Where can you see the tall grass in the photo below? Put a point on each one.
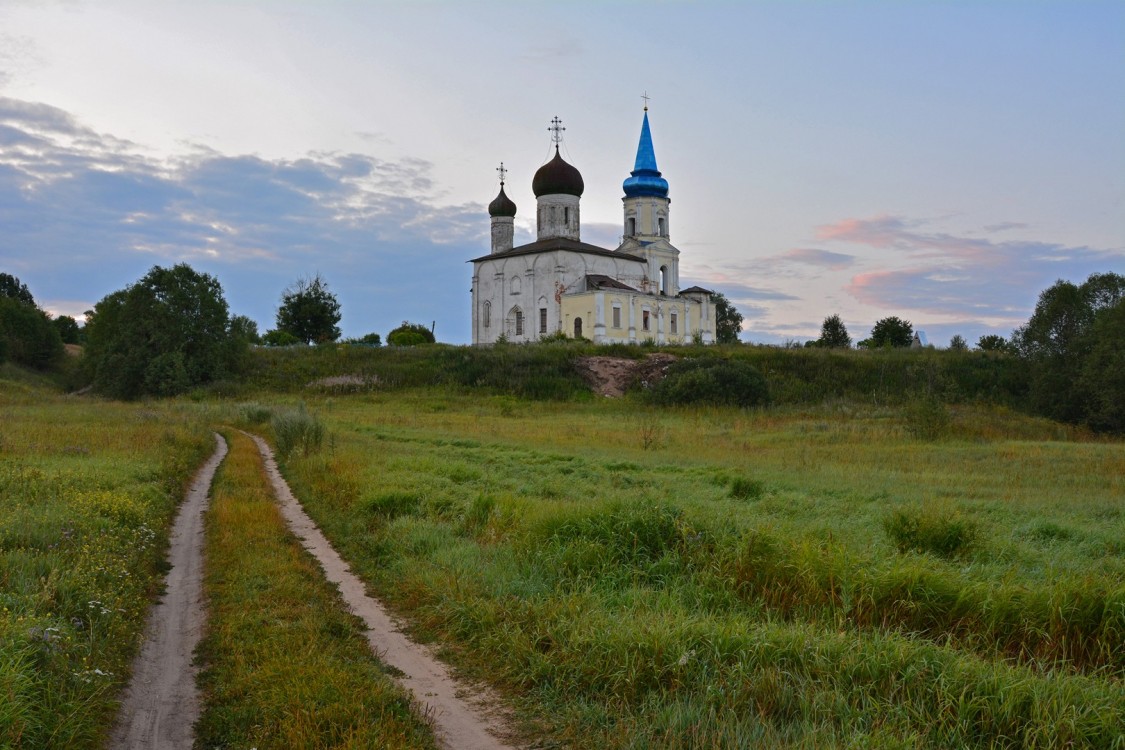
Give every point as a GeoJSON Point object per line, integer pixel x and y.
{"type": "Point", "coordinates": [87, 492]}
{"type": "Point", "coordinates": [284, 665]}
{"type": "Point", "coordinates": [641, 596]}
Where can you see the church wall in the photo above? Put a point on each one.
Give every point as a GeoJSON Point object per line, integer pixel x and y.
{"type": "Point", "coordinates": [533, 282]}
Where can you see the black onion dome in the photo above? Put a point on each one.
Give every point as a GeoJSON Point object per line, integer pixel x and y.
{"type": "Point", "coordinates": [556, 176]}
{"type": "Point", "coordinates": [502, 205]}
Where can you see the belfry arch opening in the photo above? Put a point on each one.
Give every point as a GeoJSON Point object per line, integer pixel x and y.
{"type": "Point", "coordinates": [665, 280]}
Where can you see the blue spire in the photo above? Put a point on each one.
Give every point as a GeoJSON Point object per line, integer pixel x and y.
{"type": "Point", "coordinates": [645, 179]}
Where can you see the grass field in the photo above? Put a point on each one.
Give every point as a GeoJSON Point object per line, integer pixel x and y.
{"type": "Point", "coordinates": [708, 577]}
{"type": "Point", "coordinates": [796, 576]}
{"type": "Point", "coordinates": [87, 491]}
{"type": "Point", "coordinates": [284, 665]}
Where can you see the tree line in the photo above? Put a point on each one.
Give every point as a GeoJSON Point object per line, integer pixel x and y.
{"type": "Point", "coordinates": [172, 331]}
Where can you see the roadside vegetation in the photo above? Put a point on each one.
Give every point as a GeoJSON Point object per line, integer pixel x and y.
{"type": "Point", "coordinates": [284, 665]}
{"type": "Point", "coordinates": [87, 492]}
{"type": "Point", "coordinates": [691, 577]}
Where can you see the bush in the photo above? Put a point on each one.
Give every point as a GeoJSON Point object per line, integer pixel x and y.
{"type": "Point", "coordinates": [410, 334]}
{"type": "Point", "coordinates": [746, 489]}
{"type": "Point", "coordinates": [938, 531]}
{"type": "Point", "coordinates": [711, 380]}
{"type": "Point", "coordinates": [927, 418]}
{"type": "Point", "coordinates": [297, 430]}
{"type": "Point", "coordinates": [254, 413]}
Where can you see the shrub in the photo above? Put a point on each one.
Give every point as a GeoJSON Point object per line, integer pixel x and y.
{"type": "Point", "coordinates": [930, 529]}
{"type": "Point", "coordinates": [254, 413]}
{"type": "Point", "coordinates": [712, 381]}
{"type": "Point", "coordinates": [927, 418]}
{"type": "Point", "coordinates": [296, 429]}
{"type": "Point", "coordinates": [410, 334]}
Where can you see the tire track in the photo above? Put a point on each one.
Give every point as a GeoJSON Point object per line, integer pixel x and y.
{"type": "Point", "coordinates": [458, 724]}
{"type": "Point", "coordinates": [161, 704]}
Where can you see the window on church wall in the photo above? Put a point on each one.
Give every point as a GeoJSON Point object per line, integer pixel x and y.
{"type": "Point", "coordinates": [566, 214]}
{"type": "Point", "coordinates": [660, 226]}
{"type": "Point", "coordinates": [672, 323]}
{"type": "Point", "coordinates": [631, 227]}
{"type": "Point", "coordinates": [664, 275]}
{"type": "Point", "coordinates": [616, 316]}
{"type": "Point", "coordinates": [645, 320]}
{"type": "Point", "coordinates": [515, 285]}
{"type": "Point", "coordinates": [542, 320]}
{"type": "Point", "coordinates": [487, 314]}
{"type": "Point", "coordinates": [519, 322]}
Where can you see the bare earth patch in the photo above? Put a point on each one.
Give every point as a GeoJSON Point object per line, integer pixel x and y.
{"type": "Point", "coordinates": [459, 723]}
{"type": "Point", "coordinates": [612, 376]}
{"type": "Point", "coordinates": [161, 704]}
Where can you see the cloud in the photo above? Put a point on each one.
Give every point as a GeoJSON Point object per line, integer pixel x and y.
{"type": "Point", "coordinates": [1003, 226]}
{"type": "Point", "coordinates": [961, 276]}
{"type": "Point", "coordinates": [813, 257]}
{"type": "Point", "coordinates": [86, 213]}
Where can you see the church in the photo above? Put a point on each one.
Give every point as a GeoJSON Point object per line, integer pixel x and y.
{"type": "Point", "coordinates": [558, 283]}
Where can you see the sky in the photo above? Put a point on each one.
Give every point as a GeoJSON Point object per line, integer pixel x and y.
{"type": "Point", "coordinates": [943, 162]}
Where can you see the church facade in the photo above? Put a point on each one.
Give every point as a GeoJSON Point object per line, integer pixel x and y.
{"type": "Point", "coordinates": [558, 283]}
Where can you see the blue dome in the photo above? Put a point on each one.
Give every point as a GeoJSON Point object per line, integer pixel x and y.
{"type": "Point", "coordinates": [645, 179]}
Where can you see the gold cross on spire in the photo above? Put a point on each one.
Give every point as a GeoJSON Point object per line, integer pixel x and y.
{"type": "Point", "coordinates": [502, 172]}
{"type": "Point", "coordinates": [646, 97]}
{"type": "Point", "coordinates": [556, 128]}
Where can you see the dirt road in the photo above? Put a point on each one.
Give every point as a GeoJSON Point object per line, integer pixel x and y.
{"type": "Point", "coordinates": [161, 704]}
{"type": "Point", "coordinates": [459, 724]}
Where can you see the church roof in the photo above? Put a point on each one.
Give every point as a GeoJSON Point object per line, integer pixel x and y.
{"type": "Point", "coordinates": [601, 281]}
{"type": "Point", "coordinates": [645, 179]}
{"type": "Point", "coordinates": [502, 205]}
{"type": "Point", "coordinates": [558, 243]}
{"type": "Point", "coordinates": [555, 177]}
{"type": "Point", "coordinates": [696, 290]}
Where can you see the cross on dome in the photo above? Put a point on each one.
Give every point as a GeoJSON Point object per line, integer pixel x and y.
{"type": "Point", "coordinates": [556, 129]}
{"type": "Point", "coordinates": [502, 172]}
{"type": "Point", "coordinates": [646, 97]}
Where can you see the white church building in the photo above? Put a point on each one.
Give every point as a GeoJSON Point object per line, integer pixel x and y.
{"type": "Point", "coordinates": [630, 294]}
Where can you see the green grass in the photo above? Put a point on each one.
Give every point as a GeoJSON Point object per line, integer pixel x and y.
{"type": "Point", "coordinates": [284, 665]}
{"type": "Point", "coordinates": [88, 490]}
{"type": "Point", "coordinates": [740, 581]}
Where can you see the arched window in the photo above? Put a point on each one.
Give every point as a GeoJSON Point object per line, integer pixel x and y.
{"type": "Point", "coordinates": [664, 279]}
{"type": "Point", "coordinates": [487, 313]}
{"type": "Point", "coordinates": [578, 328]}
{"type": "Point", "coordinates": [660, 226]}
{"type": "Point", "coordinates": [515, 285]}
{"type": "Point", "coordinates": [515, 318]}
{"type": "Point", "coordinates": [631, 227]}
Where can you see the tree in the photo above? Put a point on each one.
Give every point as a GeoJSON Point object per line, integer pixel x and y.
{"type": "Point", "coordinates": [279, 338]}
{"type": "Point", "coordinates": [728, 320]}
{"type": "Point", "coordinates": [26, 334]}
{"type": "Point", "coordinates": [1103, 372]}
{"type": "Point", "coordinates": [68, 329]}
{"type": "Point", "coordinates": [309, 311]}
{"type": "Point", "coordinates": [958, 344]}
{"type": "Point", "coordinates": [891, 332]}
{"type": "Point", "coordinates": [410, 334]}
{"type": "Point", "coordinates": [993, 343]}
{"type": "Point", "coordinates": [168, 332]}
{"type": "Point", "coordinates": [13, 288]}
{"type": "Point", "coordinates": [833, 334]}
{"type": "Point", "coordinates": [1058, 343]}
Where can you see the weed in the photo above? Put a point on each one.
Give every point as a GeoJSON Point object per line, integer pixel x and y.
{"type": "Point", "coordinates": [746, 489]}
{"type": "Point", "coordinates": [297, 430]}
{"type": "Point", "coordinates": [937, 530]}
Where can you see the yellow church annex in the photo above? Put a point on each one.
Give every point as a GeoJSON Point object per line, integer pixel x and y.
{"type": "Point", "coordinates": [560, 284]}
